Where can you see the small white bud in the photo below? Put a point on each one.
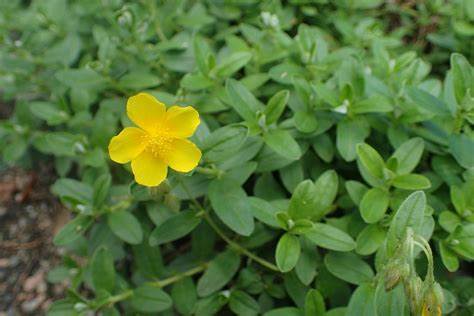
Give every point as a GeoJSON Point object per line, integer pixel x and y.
{"type": "Point", "coordinates": [391, 64]}
{"type": "Point", "coordinates": [343, 107]}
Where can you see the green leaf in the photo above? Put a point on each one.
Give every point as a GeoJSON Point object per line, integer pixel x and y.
{"type": "Point", "coordinates": [101, 189]}
{"type": "Point", "coordinates": [224, 142]}
{"type": "Point", "coordinates": [349, 134]}
{"type": "Point", "coordinates": [231, 205]}
{"type": "Point", "coordinates": [303, 202]}
{"type": "Point", "coordinates": [364, 4]}
{"type": "Point", "coordinates": [292, 175]}
{"type": "Point", "coordinates": [77, 190]}
{"type": "Point", "coordinates": [243, 304]}
{"type": "Point", "coordinates": [139, 80]}
{"type": "Point", "coordinates": [329, 237]}
{"type": "Point", "coordinates": [324, 147]}
{"type": "Point", "coordinates": [58, 274]}
{"type": "Point", "coordinates": [408, 155]}
{"type": "Point", "coordinates": [201, 53]}
{"type": "Point", "coordinates": [275, 106]}
{"type": "Point", "coordinates": [242, 100]}
{"type": "Point", "coordinates": [326, 191]}
{"type": "Point", "coordinates": [448, 221]}
{"type": "Point", "coordinates": [374, 204]}
{"type": "Point", "coordinates": [219, 272]}
{"type": "Point", "coordinates": [362, 301]}
{"type": "Point", "coordinates": [283, 143]}
{"type": "Point", "coordinates": [393, 302]}
{"type": "Point", "coordinates": [285, 72]}
{"type": "Point", "coordinates": [102, 270]}
{"type": "Point", "coordinates": [125, 226]}
{"type": "Point", "coordinates": [411, 182]}
{"type": "Point", "coordinates": [410, 214]}
{"type": "Point", "coordinates": [314, 303]}
{"type": "Point", "coordinates": [305, 121]}
{"type": "Point", "coordinates": [174, 227]}
{"type": "Point", "coordinates": [64, 307]}
{"type": "Point", "coordinates": [348, 267]}
{"type": "Point", "coordinates": [374, 104]}
{"type": "Point", "coordinates": [50, 112]}
{"type": "Point", "coordinates": [329, 96]}
{"type": "Point", "coordinates": [263, 211]}
{"type": "Point", "coordinates": [462, 240]}
{"type": "Point", "coordinates": [370, 239]}
{"type": "Point", "coordinates": [15, 150]}
{"type": "Point", "coordinates": [84, 78]}
{"type": "Point", "coordinates": [231, 64]}
{"type": "Point", "coordinates": [356, 190]}
{"type": "Point", "coordinates": [462, 76]}
{"type": "Point", "coordinates": [266, 187]}
{"type": "Point", "coordinates": [428, 102]}
{"type": "Point", "coordinates": [65, 52]}
{"type": "Point", "coordinates": [295, 289]}
{"type": "Point", "coordinates": [150, 299]}
{"type": "Point", "coordinates": [284, 311]}
{"type": "Point", "coordinates": [147, 259]}
{"type": "Point", "coordinates": [57, 143]}
{"type": "Point", "coordinates": [73, 230]}
{"type": "Point", "coordinates": [210, 305]}
{"type": "Point", "coordinates": [196, 82]}
{"type": "Point", "coordinates": [303, 91]}
{"type": "Point", "coordinates": [371, 160]}
{"type": "Point", "coordinates": [287, 252]}
{"type": "Point", "coordinates": [301, 226]}
{"type": "Point", "coordinates": [448, 257]}
{"type": "Point", "coordinates": [462, 148]}
{"type": "Point", "coordinates": [458, 198]}
{"type": "Point", "coordinates": [184, 296]}
{"type": "Point", "coordinates": [308, 263]}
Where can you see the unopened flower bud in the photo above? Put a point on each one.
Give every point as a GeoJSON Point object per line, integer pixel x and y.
{"type": "Point", "coordinates": [395, 272]}
{"type": "Point", "coordinates": [413, 290]}
{"type": "Point", "coordinates": [432, 301]}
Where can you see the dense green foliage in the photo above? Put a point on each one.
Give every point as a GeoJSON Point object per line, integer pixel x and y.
{"type": "Point", "coordinates": [335, 134]}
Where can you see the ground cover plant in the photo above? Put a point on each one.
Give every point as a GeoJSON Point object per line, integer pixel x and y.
{"type": "Point", "coordinates": [325, 162]}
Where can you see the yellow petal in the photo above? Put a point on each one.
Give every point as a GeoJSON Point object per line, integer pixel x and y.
{"type": "Point", "coordinates": [149, 170]}
{"type": "Point", "coordinates": [146, 111]}
{"type": "Point", "coordinates": [183, 155]}
{"type": "Point", "coordinates": [127, 145]}
{"type": "Point", "coordinates": [181, 121]}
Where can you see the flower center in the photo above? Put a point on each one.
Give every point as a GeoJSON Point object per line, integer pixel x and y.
{"type": "Point", "coordinates": [159, 144]}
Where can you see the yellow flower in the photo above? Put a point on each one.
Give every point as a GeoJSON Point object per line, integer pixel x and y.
{"type": "Point", "coordinates": [159, 140]}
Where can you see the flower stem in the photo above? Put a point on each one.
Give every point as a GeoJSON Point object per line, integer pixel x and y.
{"type": "Point", "coordinates": [423, 244]}
{"type": "Point", "coordinates": [216, 173]}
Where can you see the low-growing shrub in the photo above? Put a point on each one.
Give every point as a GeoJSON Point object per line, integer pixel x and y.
{"type": "Point", "coordinates": [337, 168]}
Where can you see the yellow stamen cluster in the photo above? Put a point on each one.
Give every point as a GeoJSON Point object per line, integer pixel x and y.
{"type": "Point", "coordinates": [159, 145]}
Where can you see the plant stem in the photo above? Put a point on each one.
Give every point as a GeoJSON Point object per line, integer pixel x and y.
{"type": "Point", "coordinates": [179, 276]}
{"type": "Point", "coordinates": [238, 247]}
{"type": "Point", "coordinates": [230, 242]}
{"type": "Point", "coordinates": [119, 297]}
{"type": "Point", "coordinates": [160, 283]}
{"type": "Point", "coordinates": [429, 256]}
{"type": "Point", "coordinates": [209, 171]}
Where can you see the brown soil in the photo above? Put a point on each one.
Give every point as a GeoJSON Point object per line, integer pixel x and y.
{"type": "Point", "coordinates": [29, 218]}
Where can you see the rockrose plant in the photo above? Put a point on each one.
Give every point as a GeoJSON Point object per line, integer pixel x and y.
{"type": "Point", "coordinates": [278, 158]}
